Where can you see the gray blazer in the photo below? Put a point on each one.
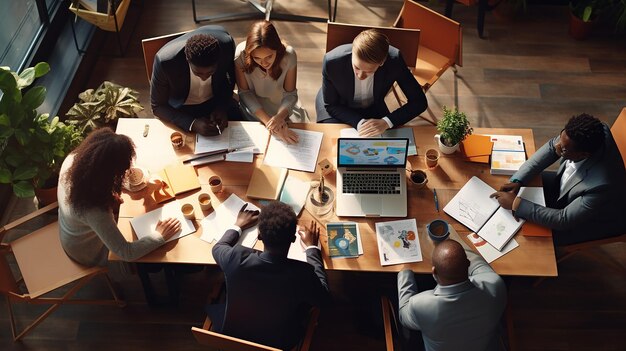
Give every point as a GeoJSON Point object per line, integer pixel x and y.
{"type": "Point", "coordinates": [589, 207]}
{"type": "Point", "coordinates": [462, 316]}
{"type": "Point", "coordinates": [338, 88]}
{"type": "Point", "coordinates": [169, 86]}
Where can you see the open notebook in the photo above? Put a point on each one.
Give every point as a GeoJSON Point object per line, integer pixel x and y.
{"type": "Point", "coordinates": [473, 207]}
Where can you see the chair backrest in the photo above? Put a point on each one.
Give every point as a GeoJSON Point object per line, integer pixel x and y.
{"type": "Point", "coordinates": [220, 342]}
{"type": "Point", "coordinates": [619, 133]}
{"type": "Point", "coordinates": [151, 46]}
{"type": "Point", "coordinates": [406, 40]}
{"type": "Point", "coordinates": [438, 32]}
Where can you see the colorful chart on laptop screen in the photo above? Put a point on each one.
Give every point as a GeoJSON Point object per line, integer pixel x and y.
{"type": "Point", "coordinates": [355, 152]}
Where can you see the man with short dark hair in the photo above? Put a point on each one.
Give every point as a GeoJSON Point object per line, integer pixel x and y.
{"type": "Point", "coordinates": [268, 294]}
{"type": "Point", "coordinates": [464, 309]}
{"type": "Point", "coordinates": [584, 197]}
{"type": "Point", "coordinates": [192, 81]}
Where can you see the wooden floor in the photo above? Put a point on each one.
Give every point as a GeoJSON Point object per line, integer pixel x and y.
{"type": "Point", "coordinates": [527, 73]}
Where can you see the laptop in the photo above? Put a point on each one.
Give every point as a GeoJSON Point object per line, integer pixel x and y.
{"type": "Point", "coordinates": [371, 177]}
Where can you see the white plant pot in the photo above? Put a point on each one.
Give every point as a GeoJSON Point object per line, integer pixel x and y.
{"type": "Point", "coordinates": [445, 149]}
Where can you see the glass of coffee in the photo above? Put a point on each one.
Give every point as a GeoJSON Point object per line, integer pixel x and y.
{"type": "Point", "coordinates": [215, 183]}
{"type": "Point", "coordinates": [432, 158]}
{"type": "Point", "coordinates": [419, 178]}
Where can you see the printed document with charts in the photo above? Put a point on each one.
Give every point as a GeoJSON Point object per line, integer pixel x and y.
{"type": "Point", "coordinates": [217, 222]}
{"type": "Point", "coordinates": [473, 207]}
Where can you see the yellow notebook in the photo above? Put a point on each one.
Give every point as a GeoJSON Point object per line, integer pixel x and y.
{"type": "Point", "coordinates": [176, 180]}
{"type": "Point", "coordinates": [266, 182]}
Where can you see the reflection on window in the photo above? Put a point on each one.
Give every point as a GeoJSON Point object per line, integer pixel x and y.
{"type": "Point", "coordinates": [18, 29]}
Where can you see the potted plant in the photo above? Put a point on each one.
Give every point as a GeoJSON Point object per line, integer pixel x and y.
{"type": "Point", "coordinates": [103, 107]}
{"type": "Point", "coordinates": [453, 128]}
{"type": "Point", "coordinates": [32, 146]}
{"type": "Point", "coordinates": [582, 16]}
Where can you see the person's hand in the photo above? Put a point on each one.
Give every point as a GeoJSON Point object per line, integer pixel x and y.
{"type": "Point", "coordinates": [204, 127]}
{"type": "Point", "coordinates": [373, 127]}
{"type": "Point", "coordinates": [505, 199]}
{"type": "Point", "coordinates": [219, 118]}
{"type": "Point", "coordinates": [511, 187]}
{"type": "Point", "coordinates": [287, 135]}
{"type": "Point", "coordinates": [275, 123]}
{"type": "Point", "coordinates": [246, 218]}
{"type": "Point", "coordinates": [310, 235]}
{"type": "Point", "coordinates": [168, 227]}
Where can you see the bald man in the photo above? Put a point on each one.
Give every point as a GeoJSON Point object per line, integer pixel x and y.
{"type": "Point", "coordinates": [463, 311]}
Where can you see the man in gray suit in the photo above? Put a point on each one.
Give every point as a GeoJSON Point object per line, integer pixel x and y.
{"type": "Point", "coordinates": [192, 81]}
{"type": "Point", "coordinates": [584, 197]}
{"type": "Point", "coordinates": [464, 309]}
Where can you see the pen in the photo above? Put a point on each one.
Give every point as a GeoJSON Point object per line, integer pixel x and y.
{"type": "Point", "coordinates": [146, 129]}
{"type": "Point", "coordinates": [436, 200]}
{"type": "Point", "coordinates": [218, 129]}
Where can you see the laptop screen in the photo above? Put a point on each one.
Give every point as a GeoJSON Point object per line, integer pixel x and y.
{"type": "Point", "coordinates": [372, 152]}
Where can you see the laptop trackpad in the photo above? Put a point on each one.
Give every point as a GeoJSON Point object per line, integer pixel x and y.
{"type": "Point", "coordinates": [371, 205]}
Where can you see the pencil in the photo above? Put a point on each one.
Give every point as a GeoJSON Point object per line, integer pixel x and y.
{"type": "Point", "coordinates": [436, 200]}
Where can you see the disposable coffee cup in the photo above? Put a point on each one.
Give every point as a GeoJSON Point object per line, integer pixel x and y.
{"type": "Point", "coordinates": [438, 230]}
{"type": "Point", "coordinates": [419, 178]}
{"type": "Point", "coordinates": [215, 183]}
{"type": "Point", "coordinates": [432, 158]}
{"type": "Point", "coordinates": [188, 211]}
{"type": "Point", "coordinates": [178, 140]}
{"type": "Point", "coordinates": [205, 201]}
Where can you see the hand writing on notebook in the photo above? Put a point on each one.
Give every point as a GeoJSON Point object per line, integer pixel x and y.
{"type": "Point", "coordinates": [246, 218]}
{"type": "Point", "coordinates": [310, 234]}
{"type": "Point", "coordinates": [511, 187]}
{"type": "Point", "coordinates": [373, 127]}
{"type": "Point", "coordinates": [168, 227]}
{"type": "Point", "coordinates": [285, 134]}
{"type": "Point", "coordinates": [505, 199]}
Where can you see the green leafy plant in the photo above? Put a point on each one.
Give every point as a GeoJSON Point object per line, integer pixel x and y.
{"type": "Point", "coordinates": [32, 146]}
{"type": "Point", "coordinates": [588, 10]}
{"type": "Point", "coordinates": [453, 127]}
{"type": "Point", "coordinates": [103, 107]}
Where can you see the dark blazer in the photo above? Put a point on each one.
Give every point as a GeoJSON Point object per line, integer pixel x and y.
{"type": "Point", "coordinates": [170, 77]}
{"type": "Point", "coordinates": [591, 204]}
{"type": "Point", "coordinates": [338, 88]}
{"type": "Point", "coordinates": [268, 296]}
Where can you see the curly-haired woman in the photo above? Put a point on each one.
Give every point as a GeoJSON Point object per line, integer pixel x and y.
{"type": "Point", "coordinates": [89, 190]}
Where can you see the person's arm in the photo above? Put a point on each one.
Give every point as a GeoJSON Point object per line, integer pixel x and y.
{"type": "Point", "coordinates": [416, 99]}
{"type": "Point", "coordinates": [160, 95]}
{"type": "Point", "coordinates": [290, 93]}
{"type": "Point", "coordinates": [408, 300]}
{"type": "Point", "coordinates": [224, 247]}
{"type": "Point", "coordinates": [332, 97]}
{"type": "Point", "coordinates": [247, 95]}
{"type": "Point", "coordinates": [223, 81]}
{"type": "Point", "coordinates": [540, 160]}
{"type": "Point", "coordinates": [317, 287]}
{"type": "Point", "coordinates": [103, 224]}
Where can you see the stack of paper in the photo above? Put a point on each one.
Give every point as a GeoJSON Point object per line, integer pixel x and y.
{"type": "Point", "coordinates": [344, 240]}
{"type": "Point", "coordinates": [508, 154]}
{"type": "Point", "coordinates": [489, 252]}
{"type": "Point", "coordinates": [145, 225]}
{"type": "Point", "coordinates": [246, 138]}
{"type": "Point", "coordinates": [398, 242]}
{"type": "Point", "coordinates": [301, 156]}
{"type": "Point", "coordinates": [215, 224]}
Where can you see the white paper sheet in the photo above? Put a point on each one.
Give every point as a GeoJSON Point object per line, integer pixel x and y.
{"type": "Point", "coordinates": [248, 134]}
{"type": "Point", "coordinates": [489, 252]}
{"type": "Point", "coordinates": [301, 156]}
{"type": "Point", "coordinates": [145, 224]}
{"type": "Point", "coordinates": [297, 248]}
{"type": "Point", "coordinates": [215, 224]}
{"type": "Point", "coordinates": [472, 205]}
{"type": "Point", "coordinates": [398, 242]}
{"type": "Point", "coordinates": [212, 143]}
{"type": "Point", "coordinates": [240, 156]}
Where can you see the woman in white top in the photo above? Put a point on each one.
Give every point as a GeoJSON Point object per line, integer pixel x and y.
{"type": "Point", "coordinates": [265, 69]}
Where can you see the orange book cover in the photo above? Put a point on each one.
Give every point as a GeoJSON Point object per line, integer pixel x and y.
{"type": "Point", "coordinates": [176, 180]}
{"type": "Point", "coordinates": [534, 229]}
{"type": "Point", "coordinates": [477, 148]}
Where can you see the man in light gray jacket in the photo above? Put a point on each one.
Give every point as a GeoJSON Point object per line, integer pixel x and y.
{"type": "Point", "coordinates": [464, 309]}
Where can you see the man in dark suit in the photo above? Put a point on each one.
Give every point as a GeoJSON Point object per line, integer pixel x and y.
{"type": "Point", "coordinates": [269, 295]}
{"type": "Point", "coordinates": [192, 81]}
{"type": "Point", "coordinates": [584, 198]}
{"type": "Point", "coordinates": [355, 80]}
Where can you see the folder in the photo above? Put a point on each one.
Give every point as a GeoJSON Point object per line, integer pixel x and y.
{"type": "Point", "coordinates": [176, 180]}
{"type": "Point", "coordinates": [266, 182]}
{"type": "Point", "coordinates": [477, 148]}
{"type": "Point", "coordinates": [534, 229]}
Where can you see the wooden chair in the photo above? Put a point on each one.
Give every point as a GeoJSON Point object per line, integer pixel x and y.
{"type": "Point", "coordinates": [440, 42]}
{"type": "Point", "coordinates": [151, 46]}
{"type": "Point", "coordinates": [220, 342]}
{"type": "Point", "coordinates": [405, 39]}
{"type": "Point", "coordinates": [618, 130]}
{"type": "Point", "coordinates": [44, 267]}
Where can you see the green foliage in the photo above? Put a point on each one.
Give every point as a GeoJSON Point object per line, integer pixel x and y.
{"type": "Point", "coordinates": [103, 107]}
{"type": "Point", "coordinates": [453, 127]}
{"type": "Point", "coordinates": [32, 146]}
{"type": "Point", "coordinates": [588, 10]}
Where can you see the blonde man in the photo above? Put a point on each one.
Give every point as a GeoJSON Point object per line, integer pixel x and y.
{"type": "Point", "coordinates": [355, 79]}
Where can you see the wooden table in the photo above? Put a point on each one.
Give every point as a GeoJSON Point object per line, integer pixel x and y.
{"type": "Point", "coordinates": [534, 256]}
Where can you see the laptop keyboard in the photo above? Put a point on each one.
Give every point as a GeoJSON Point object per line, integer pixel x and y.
{"type": "Point", "coordinates": [371, 183]}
